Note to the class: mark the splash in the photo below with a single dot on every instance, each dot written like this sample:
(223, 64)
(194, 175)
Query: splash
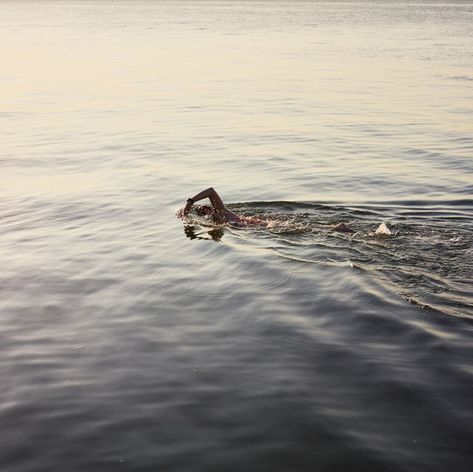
(383, 231)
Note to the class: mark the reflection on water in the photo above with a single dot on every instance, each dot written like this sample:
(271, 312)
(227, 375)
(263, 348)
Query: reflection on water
(194, 232)
(126, 344)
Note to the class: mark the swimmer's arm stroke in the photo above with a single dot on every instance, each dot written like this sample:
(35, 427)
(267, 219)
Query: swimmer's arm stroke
(212, 195)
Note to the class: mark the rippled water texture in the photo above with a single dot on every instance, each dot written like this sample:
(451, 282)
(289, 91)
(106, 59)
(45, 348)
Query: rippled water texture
(132, 340)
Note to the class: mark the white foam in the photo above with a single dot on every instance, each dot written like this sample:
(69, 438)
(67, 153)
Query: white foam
(383, 230)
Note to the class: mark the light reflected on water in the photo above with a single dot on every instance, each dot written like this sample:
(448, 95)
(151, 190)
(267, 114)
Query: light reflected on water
(131, 340)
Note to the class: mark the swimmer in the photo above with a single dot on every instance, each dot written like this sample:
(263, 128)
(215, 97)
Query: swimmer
(221, 214)
(218, 211)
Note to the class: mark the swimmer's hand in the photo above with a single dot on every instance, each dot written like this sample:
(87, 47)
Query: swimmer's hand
(181, 213)
(188, 207)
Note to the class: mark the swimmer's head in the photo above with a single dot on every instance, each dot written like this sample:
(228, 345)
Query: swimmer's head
(204, 210)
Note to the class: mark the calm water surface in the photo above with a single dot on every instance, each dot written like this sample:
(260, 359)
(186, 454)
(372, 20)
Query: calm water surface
(131, 340)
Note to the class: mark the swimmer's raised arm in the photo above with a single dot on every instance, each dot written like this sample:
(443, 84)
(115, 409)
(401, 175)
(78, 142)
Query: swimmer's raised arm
(212, 195)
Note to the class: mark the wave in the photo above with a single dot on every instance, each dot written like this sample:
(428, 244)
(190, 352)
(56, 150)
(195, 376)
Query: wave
(426, 258)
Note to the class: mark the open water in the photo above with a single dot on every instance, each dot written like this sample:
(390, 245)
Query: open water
(133, 341)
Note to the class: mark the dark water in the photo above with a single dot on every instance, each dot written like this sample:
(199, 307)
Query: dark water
(132, 340)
